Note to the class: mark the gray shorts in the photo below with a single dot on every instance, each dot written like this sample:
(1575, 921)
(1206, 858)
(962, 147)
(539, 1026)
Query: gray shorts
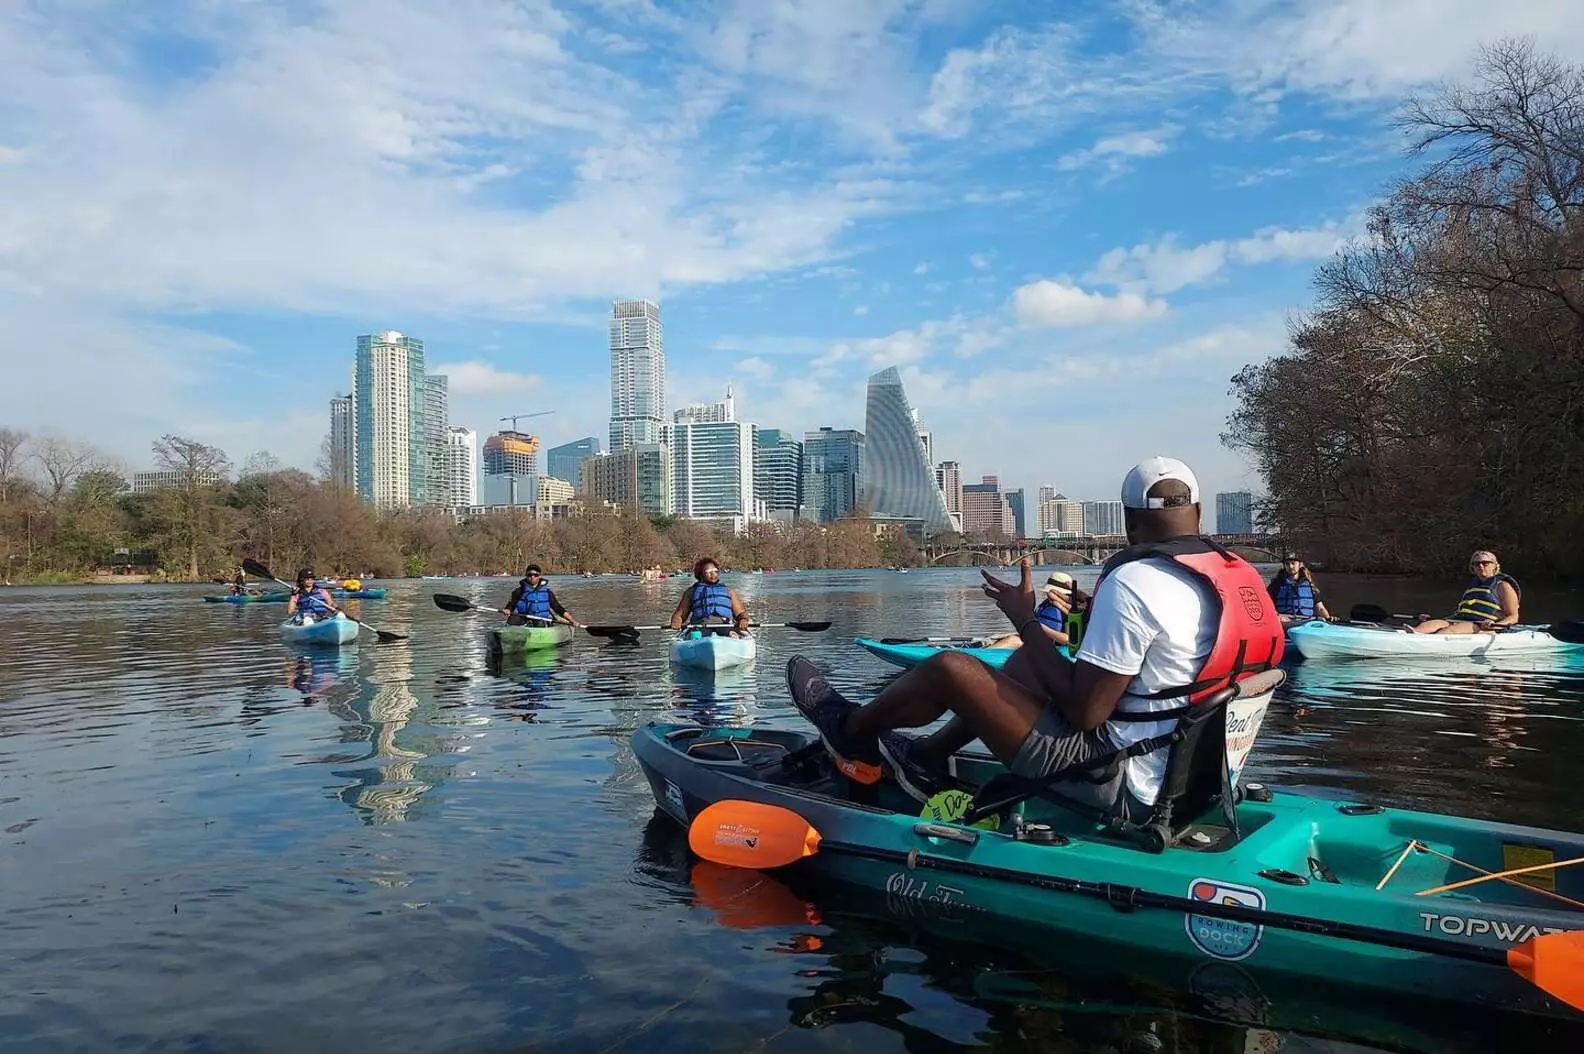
(1053, 744)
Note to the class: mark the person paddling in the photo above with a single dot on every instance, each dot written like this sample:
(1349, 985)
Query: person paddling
(1158, 637)
(309, 601)
(708, 599)
(1489, 603)
(1293, 591)
(534, 601)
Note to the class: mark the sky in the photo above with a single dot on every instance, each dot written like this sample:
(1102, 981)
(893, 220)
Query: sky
(1068, 224)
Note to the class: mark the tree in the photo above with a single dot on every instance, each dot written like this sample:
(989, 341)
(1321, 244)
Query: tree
(199, 470)
(62, 461)
(12, 455)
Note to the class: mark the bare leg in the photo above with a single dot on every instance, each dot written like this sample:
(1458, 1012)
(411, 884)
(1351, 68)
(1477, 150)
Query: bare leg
(1011, 640)
(989, 704)
(1435, 625)
(940, 745)
(1459, 627)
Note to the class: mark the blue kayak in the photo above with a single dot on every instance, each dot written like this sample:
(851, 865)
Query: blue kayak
(907, 654)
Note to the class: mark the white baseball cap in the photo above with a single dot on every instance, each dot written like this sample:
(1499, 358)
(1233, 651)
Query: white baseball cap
(1150, 471)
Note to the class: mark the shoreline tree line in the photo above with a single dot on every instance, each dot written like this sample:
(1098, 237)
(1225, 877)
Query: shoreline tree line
(65, 511)
(1431, 402)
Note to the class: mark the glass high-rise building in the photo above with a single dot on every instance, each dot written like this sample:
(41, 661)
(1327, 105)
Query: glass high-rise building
(436, 445)
(566, 461)
(343, 443)
(833, 465)
(638, 395)
(462, 466)
(390, 460)
(778, 472)
(898, 480)
(1103, 517)
(712, 471)
(1235, 512)
(638, 477)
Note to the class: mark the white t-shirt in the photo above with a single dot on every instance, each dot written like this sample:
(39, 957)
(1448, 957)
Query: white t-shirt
(1156, 620)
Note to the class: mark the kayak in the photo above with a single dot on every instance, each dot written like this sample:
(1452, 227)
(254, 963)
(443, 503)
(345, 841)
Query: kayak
(334, 631)
(246, 598)
(529, 638)
(1288, 892)
(713, 651)
(372, 593)
(909, 654)
(1325, 640)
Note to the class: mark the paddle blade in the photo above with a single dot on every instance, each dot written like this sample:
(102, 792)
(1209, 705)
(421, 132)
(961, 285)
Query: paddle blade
(385, 635)
(1368, 613)
(749, 834)
(1553, 963)
(810, 627)
(612, 631)
(1571, 632)
(451, 603)
(256, 569)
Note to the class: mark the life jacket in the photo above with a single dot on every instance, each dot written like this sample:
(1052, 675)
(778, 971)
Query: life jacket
(1295, 597)
(1051, 616)
(1249, 637)
(709, 600)
(1479, 602)
(534, 602)
(312, 601)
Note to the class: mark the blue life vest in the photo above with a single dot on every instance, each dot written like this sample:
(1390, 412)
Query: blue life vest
(1051, 616)
(1479, 602)
(709, 600)
(1295, 598)
(535, 602)
(312, 602)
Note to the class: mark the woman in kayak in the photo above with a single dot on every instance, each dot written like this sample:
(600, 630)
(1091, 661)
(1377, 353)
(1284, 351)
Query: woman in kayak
(1295, 594)
(534, 601)
(707, 599)
(309, 601)
(1490, 602)
(1052, 612)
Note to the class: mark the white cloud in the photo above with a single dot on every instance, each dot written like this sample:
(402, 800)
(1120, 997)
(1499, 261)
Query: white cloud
(1302, 135)
(922, 267)
(474, 377)
(754, 367)
(1050, 303)
(979, 261)
(1164, 266)
(861, 310)
(1115, 153)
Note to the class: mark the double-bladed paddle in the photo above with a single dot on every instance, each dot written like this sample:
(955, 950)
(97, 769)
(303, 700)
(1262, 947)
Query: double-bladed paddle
(633, 631)
(258, 570)
(452, 602)
(756, 835)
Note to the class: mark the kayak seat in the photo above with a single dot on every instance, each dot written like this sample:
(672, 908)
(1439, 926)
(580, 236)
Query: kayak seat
(1196, 779)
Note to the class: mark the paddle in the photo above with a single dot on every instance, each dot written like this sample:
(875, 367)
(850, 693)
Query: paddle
(937, 640)
(756, 835)
(253, 567)
(1376, 613)
(632, 631)
(451, 602)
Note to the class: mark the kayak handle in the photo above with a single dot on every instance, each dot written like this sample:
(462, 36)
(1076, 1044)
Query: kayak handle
(951, 834)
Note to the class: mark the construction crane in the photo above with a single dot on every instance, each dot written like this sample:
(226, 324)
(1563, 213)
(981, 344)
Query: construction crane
(513, 419)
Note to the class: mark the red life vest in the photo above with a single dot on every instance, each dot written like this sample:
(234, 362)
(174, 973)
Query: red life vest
(1249, 636)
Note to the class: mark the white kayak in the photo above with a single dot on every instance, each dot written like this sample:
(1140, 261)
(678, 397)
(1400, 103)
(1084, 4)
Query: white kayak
(714, 651)
(333, 631)
(1323, 640)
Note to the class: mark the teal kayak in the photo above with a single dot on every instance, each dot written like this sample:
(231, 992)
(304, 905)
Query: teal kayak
(373, 593)
(333, 631)
(1300, 890)
(246, 598)
(911, 653)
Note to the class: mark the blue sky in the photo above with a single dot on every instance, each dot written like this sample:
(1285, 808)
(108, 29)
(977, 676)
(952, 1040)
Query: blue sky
(1069, 224)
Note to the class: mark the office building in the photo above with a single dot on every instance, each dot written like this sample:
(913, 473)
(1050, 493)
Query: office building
(637, 477)
(390, 460)
(712, 472)
(898, 481)
(1103, 517)
(436, 441)
(462, 467)
(986, 512)
(778, 473)
(552, 492)
(1058, 514)
(708, 413)
(343, 443)
(511, 469)
(833, 464)
(1014, 500)
(948, 477)
(566, 461)
(637, 351)
(1235, 512)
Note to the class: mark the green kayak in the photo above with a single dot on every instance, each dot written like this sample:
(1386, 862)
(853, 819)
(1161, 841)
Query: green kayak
(1297, 889)
(508, 639)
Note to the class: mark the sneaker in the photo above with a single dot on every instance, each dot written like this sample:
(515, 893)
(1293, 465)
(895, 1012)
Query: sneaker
(900, 753)
(827, 711)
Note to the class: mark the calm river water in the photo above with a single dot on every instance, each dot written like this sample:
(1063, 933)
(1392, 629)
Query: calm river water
(209, 843)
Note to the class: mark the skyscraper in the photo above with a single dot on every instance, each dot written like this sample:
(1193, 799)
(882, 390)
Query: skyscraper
(566, 461)
(511, 469)
(986, 512)
(1235, 512)
(1103, 517)
(638, 477)
(343, 443)
(462, 466)
(712, 471)
(897, 479)
(708, 413)
(637, 350)
(388, 399)
(948, 477)
(436, 444)
(1014, 499)
(833, 464)
(778, 473)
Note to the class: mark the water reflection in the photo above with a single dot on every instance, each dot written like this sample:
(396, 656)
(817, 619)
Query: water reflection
(713, 698)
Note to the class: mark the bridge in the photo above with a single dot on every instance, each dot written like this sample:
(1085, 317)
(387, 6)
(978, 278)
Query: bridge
(1084, 549)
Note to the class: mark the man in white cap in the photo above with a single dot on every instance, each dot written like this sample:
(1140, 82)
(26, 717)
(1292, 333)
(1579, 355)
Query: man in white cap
(1052, 612)
(1158, 635)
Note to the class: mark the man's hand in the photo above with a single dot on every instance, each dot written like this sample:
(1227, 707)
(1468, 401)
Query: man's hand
(1015, 601)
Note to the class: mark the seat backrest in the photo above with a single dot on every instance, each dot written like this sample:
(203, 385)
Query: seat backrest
(1214, 740)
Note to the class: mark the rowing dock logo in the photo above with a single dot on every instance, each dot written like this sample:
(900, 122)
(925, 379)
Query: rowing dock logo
(1223, 938)
(674, 798)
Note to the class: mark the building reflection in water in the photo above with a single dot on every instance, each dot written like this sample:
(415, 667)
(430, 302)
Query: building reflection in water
(390, 779)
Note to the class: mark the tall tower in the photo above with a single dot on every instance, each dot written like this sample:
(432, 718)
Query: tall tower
(436, 446)
(462, 466)
(638, 397)
(388, 400)
(343, 443)
(898, 480)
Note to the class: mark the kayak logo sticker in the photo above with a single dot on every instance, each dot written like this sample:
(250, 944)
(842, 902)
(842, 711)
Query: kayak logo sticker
(1223, 938)
(673, 795)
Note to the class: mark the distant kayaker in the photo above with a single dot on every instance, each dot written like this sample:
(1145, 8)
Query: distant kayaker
(534, 601)
(1052, 611)
(239, 583)
(1489, 602)
(309, 601)
(1293, 591)
(709, 603)
(1157, 638)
